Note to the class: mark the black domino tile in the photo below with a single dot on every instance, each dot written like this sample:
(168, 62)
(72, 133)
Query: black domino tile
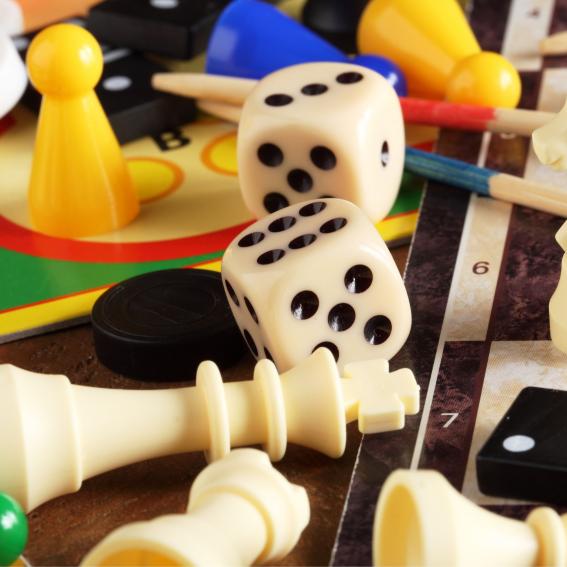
(526, 455)
(139, 110)
(173, 28)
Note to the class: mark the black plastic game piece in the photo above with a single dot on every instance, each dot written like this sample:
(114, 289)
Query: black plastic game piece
(161, 325)
(335, 20)
(174, 28)
(132, 106)
(526, 455)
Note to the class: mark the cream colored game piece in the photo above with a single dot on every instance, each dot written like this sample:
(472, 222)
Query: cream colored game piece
(230, 90)
(558, 301)
(241, 512)
(422, 521)
(316, 274)
(318, 129)
(228, 112)
(555, 44)
(53, 435)
(550, 141)
(13, 76)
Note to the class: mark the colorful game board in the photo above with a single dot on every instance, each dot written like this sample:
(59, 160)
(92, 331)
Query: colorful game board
(480, 275)
(192, 209)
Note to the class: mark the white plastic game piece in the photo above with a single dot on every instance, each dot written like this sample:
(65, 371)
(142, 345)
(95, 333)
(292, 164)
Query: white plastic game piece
(227, 112)
(232, 90)
(318, 129)
(316, 274)
(241, 512)
(13, 76)
(53, 435)
(422, 521)
(11, 18)
(550, 141)
(558, 301)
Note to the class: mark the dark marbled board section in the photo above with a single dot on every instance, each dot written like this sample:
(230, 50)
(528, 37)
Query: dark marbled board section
(488, 19)
(528, 277)
(532, 260)
(458, 387)
(428, 278)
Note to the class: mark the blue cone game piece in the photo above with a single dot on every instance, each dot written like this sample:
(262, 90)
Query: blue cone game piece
(252, 39)
(13, 530)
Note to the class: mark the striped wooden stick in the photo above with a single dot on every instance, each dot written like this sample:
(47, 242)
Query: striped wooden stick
(555, 44)
(488, 182)
(233, 91)
(470, 117)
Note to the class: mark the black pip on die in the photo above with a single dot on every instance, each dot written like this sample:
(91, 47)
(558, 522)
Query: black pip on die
(316, 274)
(317, 130)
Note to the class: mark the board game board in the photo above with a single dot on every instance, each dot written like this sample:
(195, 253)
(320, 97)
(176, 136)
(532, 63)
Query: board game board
(480, 275)
(192, 209)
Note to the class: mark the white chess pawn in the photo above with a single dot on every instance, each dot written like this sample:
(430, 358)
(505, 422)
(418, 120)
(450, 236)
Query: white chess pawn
(241, 512)
(422, 521)
(550, 143)
(53, 435)
(558, 302)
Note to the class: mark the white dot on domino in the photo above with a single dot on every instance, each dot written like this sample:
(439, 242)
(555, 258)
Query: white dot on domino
(164, 4)
(117, 83)
(518, 443)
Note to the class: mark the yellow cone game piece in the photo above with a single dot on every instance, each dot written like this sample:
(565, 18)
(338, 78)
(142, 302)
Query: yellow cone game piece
(433, 44)
(79, 184)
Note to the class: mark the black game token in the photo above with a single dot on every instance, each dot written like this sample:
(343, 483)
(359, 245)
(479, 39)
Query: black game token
(161, 325)
(174, 28)
(526, 455)
(335, 20)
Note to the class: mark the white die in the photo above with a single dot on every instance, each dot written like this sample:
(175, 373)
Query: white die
(318, 130)
(316, 274)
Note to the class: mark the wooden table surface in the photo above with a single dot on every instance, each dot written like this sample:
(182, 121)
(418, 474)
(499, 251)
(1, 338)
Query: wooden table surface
(64, 530)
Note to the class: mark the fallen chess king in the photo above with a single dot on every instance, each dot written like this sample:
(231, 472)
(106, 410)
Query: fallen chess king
(54, 435)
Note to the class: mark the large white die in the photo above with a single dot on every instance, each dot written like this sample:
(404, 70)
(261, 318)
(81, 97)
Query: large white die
(316, 274)
(317, 130)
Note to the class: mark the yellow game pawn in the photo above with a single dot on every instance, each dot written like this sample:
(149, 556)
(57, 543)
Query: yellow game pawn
(433, 44)
(80, 184)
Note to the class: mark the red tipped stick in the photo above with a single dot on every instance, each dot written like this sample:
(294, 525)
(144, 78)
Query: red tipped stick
(471, 117)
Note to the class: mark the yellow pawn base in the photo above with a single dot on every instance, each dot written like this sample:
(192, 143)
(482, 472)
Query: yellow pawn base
(80, 185)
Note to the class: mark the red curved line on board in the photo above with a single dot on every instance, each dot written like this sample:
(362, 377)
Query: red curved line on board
(19, 239)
